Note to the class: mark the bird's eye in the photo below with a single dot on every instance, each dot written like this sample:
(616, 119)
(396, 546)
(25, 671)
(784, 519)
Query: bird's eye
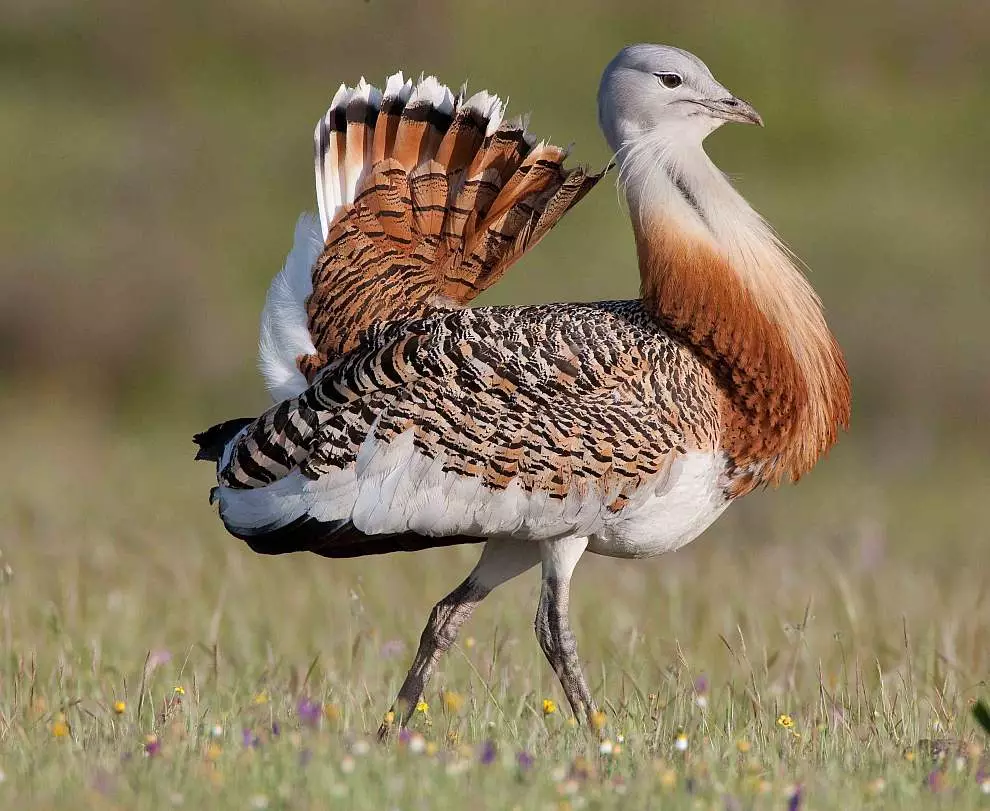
(669, 80)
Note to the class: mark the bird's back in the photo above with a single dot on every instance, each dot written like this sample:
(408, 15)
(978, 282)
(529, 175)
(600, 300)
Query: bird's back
(533, 422)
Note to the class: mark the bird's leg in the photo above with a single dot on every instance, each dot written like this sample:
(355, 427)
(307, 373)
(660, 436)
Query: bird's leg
(500, 561)
(553, 625)
(441, 629)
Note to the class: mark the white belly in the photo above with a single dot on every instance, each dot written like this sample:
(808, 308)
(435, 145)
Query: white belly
(686, 504)
(402, 491)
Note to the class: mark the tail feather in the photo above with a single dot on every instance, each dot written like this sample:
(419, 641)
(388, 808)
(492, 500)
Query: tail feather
(330, 141)
(397, 92)
(425, 120)
(467, 131)
(425, 198)
(428, 187)
(361, 115)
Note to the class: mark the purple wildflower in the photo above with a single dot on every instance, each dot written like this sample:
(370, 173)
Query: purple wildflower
(159, 657)
(152, 746)
(935, 780)
(487, 752)
(794, 801)
(405, 735)
(525, 761)
(701, 685)
(276, 728)
(309, 711)
(249, 739)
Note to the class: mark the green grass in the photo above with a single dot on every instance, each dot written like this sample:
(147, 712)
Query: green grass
(161, 155)
(832, 602)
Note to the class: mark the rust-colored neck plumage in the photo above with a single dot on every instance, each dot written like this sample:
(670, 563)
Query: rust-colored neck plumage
(761, 331)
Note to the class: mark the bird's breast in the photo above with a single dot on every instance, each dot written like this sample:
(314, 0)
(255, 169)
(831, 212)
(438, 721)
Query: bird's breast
(674, 512)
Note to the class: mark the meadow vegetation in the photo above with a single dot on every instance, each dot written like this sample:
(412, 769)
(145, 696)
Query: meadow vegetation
(821, 647)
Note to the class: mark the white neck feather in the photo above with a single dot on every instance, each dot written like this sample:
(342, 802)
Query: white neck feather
(672, 180)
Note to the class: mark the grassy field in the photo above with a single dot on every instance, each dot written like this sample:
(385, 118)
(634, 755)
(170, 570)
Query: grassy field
(806, 648)
(803, 654)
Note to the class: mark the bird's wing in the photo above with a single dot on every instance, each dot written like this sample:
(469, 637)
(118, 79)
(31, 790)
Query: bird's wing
(529, 421)
(424, 199)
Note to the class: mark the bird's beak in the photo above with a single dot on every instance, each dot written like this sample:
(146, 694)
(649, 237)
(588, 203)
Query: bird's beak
(733, 109)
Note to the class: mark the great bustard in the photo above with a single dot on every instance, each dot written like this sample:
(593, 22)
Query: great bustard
(622, 428)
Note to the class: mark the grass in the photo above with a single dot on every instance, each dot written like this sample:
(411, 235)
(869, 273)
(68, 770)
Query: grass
(259, 682)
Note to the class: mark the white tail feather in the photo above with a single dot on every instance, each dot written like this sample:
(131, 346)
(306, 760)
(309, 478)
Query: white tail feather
(284, 331)
(327, 154)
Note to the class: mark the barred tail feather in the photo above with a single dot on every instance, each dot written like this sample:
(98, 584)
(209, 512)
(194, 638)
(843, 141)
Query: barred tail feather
(425, 199)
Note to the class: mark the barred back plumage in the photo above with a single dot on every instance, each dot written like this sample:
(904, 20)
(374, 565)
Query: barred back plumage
(552, 399)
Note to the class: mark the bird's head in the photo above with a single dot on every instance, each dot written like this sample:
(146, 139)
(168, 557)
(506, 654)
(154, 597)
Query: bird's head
(652, 89)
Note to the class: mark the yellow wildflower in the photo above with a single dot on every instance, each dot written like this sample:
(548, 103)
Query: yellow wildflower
(452, 701)
(743, 746)
(681, 741)
(119, 707)
(332, 712)
(179, 690)
(60, 729)
(469, 642)
(389, 718)
(213, 752)
(549, 706)
(668, 778)
(260, 698)
(422, 707)
(598, 720)
(909, 755)
(785, 721)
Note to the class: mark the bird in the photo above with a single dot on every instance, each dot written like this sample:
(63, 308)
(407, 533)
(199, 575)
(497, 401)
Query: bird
(405, 419)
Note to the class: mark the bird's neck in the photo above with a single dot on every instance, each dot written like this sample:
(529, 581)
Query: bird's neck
(717, 277)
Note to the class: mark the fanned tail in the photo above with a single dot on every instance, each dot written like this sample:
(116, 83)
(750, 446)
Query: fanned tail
(425, 199)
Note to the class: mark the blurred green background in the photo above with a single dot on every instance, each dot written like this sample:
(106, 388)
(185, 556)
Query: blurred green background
(158, 154)
(155, 159)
